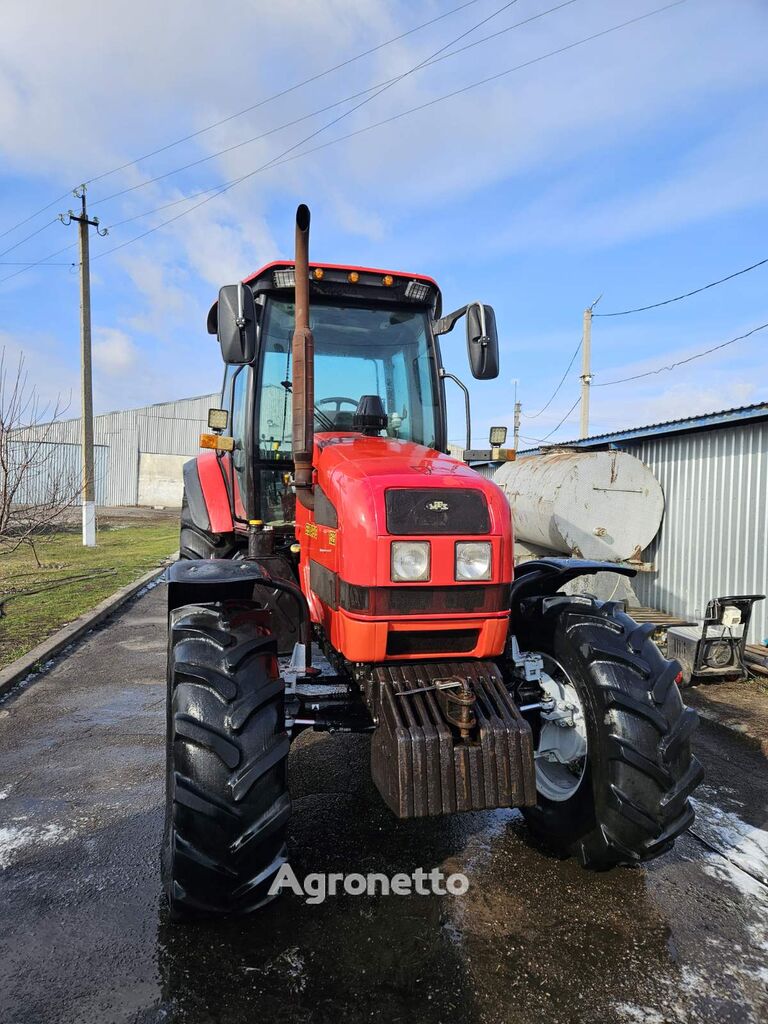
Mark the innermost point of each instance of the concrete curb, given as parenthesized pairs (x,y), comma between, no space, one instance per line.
(55,644)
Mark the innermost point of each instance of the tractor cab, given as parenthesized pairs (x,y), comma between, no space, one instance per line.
(377,370)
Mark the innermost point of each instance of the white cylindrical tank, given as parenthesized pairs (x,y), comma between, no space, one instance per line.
(601,505)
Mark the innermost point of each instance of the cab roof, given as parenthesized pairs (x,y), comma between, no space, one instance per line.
(335,283)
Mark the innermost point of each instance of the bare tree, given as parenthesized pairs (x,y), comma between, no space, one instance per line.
(36,487)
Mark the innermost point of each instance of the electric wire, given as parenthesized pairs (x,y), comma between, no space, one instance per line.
(681,362)
(281,93)
(246,110)
(686,295)
(430,62)
(37,213)
(27,237)
(535,415)
(43,261)
(546,437)
(277,161)
(281,157)
(219,190)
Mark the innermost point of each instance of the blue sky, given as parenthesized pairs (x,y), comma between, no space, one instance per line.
(631,166)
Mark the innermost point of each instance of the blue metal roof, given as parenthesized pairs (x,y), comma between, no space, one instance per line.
(707,421)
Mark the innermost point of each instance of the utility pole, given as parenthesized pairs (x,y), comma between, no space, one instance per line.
(586,370)
(88,493)
(518,409)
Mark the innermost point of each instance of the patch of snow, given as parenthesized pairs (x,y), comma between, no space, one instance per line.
(14,838)
(629,1013)
(744,845)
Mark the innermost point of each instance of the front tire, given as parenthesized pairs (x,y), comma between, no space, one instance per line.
(626,799)
(227,802)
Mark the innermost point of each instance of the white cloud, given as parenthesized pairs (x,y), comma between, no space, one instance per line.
(545,141)
(114,353)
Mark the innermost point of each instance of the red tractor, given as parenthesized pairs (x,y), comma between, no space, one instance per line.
(326,523)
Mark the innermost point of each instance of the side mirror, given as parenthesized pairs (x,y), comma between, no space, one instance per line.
(482,341)
(237,324)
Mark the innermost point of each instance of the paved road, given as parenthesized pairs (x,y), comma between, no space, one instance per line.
(85,936)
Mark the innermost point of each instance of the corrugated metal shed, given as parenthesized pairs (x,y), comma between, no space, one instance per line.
(714,537)
(706,421)
(56,470)
(713,541)
(168,428)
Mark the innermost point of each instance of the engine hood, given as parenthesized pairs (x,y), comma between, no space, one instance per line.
(354,473)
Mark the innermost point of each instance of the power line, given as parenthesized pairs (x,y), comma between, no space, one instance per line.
(321,110)
(281,157)
(541,440)
(44,261)
(686,295)
(277,161)
(246,110)
(37,213)
(283,92)
(27,237)
(681,362)
(219,190)
(535,415)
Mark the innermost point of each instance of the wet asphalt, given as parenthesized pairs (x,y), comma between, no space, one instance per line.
(85,936)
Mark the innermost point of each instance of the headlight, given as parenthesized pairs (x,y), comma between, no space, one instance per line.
(410,560)
(473,560)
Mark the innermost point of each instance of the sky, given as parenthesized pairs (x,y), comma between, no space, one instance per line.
(629,168)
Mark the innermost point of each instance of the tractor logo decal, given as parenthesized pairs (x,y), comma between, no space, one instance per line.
(436,506)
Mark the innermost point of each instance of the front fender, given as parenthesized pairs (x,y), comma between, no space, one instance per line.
(545,576)
(206,493)
(198,581)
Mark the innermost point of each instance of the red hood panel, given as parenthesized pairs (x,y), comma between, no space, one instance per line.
(355,471)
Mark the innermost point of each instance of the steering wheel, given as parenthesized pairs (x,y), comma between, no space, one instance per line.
(337,403)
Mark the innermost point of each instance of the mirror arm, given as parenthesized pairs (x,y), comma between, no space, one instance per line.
(446,323)
(443,373)
(240,319)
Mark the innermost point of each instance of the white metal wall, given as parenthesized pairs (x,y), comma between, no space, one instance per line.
(714,536)
(55,469)
(169,428)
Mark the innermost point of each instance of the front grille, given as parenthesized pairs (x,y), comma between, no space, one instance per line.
(436,510)
(462,598)
(429,642)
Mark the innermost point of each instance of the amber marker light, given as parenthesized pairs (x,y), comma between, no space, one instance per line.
(387,280)
(217,442)
(353,277)
(318,273)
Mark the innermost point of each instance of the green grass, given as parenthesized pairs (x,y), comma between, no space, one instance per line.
(122,555)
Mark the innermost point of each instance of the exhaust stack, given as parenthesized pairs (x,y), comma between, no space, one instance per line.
(303,345)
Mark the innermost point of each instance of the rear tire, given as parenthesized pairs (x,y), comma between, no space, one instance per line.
(632,799)
(227,802)
(195,542)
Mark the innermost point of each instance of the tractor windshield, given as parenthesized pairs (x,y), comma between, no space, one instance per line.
(359,350)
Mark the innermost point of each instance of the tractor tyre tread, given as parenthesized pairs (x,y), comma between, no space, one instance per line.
(227,803)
